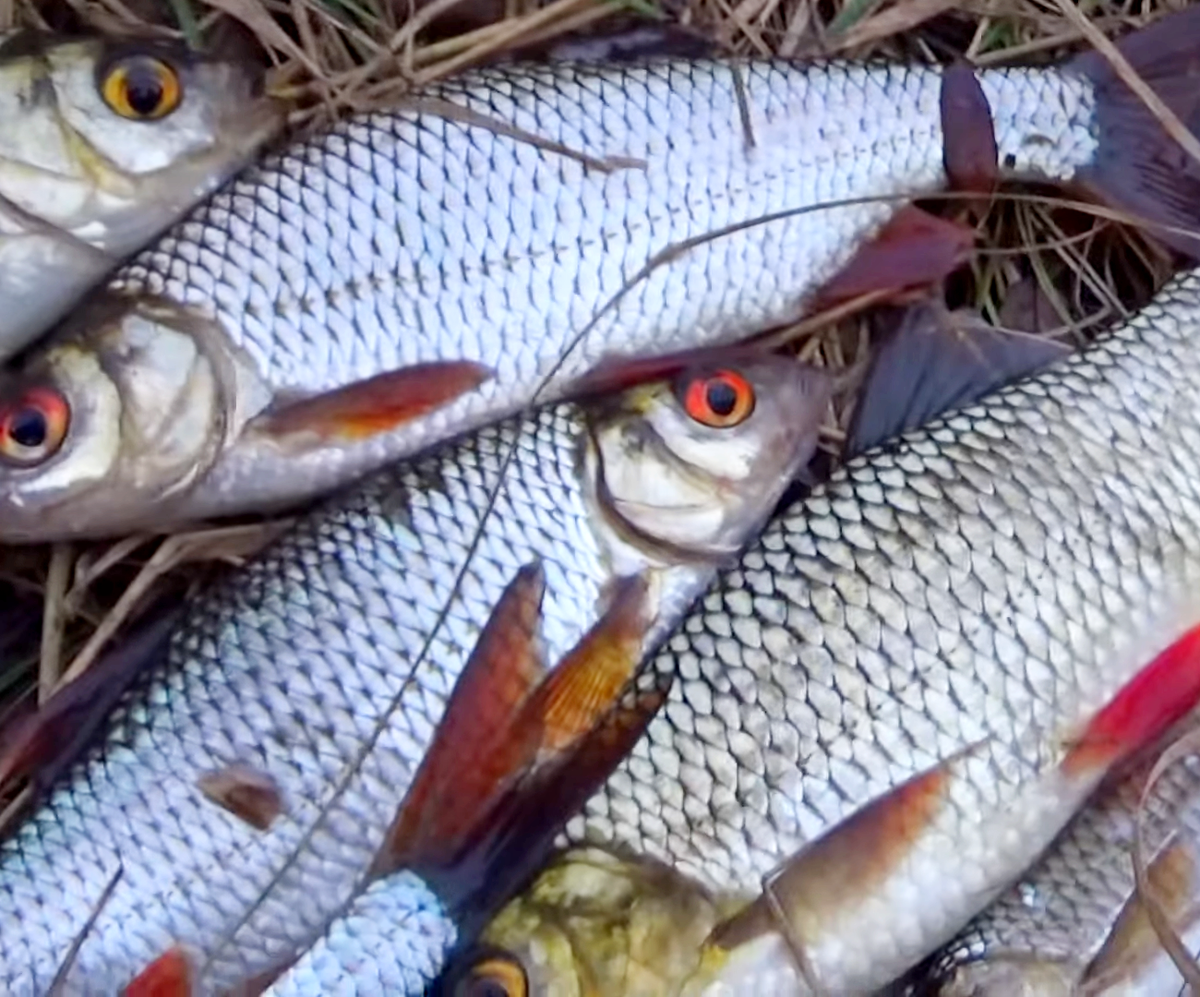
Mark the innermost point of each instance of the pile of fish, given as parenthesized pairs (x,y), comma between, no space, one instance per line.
(571,676)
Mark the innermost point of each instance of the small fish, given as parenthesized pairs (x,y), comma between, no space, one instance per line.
(910,682)
(413,274)
(104,142)
(1075,924)
(252,779)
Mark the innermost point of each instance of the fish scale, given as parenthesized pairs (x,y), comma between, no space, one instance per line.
(323,666)
(984,584)
(436,233)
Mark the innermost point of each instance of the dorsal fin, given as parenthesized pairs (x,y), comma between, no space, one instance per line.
(935,361)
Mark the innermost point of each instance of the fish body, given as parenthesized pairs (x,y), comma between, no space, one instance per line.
(912,680)
(89,175)
(305,689)
(532,219)
(1074,923)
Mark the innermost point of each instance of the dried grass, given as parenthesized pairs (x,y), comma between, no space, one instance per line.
(1080,269)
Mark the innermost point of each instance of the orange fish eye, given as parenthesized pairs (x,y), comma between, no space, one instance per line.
(722,399)
(33,427)
(141,88)
(495,976)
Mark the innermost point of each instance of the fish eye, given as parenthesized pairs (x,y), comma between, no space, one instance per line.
(141,88)
(33,427)
(722,399)
(495,976)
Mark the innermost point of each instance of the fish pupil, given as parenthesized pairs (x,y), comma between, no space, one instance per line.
(144,91)
(722,398)
(28,428)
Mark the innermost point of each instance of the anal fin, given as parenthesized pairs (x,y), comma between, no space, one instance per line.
(913,251)
(170,975)
(969,151)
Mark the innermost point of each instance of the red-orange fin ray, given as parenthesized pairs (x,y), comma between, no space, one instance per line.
(1156,698)
(913,251)
(377,404)
(969,151)
(170,975)
(473,750)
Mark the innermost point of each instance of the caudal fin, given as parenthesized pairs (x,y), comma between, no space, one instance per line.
(1139,167)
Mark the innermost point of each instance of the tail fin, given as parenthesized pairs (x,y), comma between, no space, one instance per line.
(1139,167)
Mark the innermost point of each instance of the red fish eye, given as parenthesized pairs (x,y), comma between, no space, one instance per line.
(720,400)
(33,427)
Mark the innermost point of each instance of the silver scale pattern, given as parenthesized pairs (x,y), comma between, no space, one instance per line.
(414,236)
(287,667)
(997,575)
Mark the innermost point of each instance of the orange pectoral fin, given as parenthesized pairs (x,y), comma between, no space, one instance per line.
(474,750)
(378,404)
(584,685)
(1159,695)
(913,250)
(170,975)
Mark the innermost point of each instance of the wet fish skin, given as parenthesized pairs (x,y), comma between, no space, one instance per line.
(290,665)
(433,233)
(82,186)
(924,643)
(1074,921)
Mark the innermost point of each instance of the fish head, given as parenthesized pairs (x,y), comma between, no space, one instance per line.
(103,144)
(124,408)
(591,923)
(697,463)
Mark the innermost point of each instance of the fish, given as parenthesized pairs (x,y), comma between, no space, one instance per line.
(247,784)
(907,686)
(105,141)
(1075,923)
(499,236)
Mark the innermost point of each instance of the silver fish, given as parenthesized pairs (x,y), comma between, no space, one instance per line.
(1075,924)
(303,690)
(104,142)
(906,688)
(514,227)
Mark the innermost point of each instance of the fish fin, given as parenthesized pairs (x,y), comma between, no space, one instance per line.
(170,975)
(42,744)
(1138,167)
(520,830)
(1156,698)
(377,404)
(849,860)
(245,792)
(935,361)
(473,750)
(914,250)
(969,151)
(1132,943)
(573,697)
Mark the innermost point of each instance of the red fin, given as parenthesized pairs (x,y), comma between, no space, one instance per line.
(50,738)
(379,404)
(1138,166)
(472,751)
(170,975)
(969,150)
(244,792)
(1159,695)
(520,828)
(913,250)
(849,860)
(585,684)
